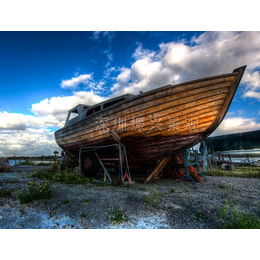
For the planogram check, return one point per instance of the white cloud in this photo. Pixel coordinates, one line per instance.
(233, 125)
(211, 53)
(74, 82)
(109, 56)
(253, 79)
(29, 135)
(252, 94)
(59, 106)
(108, 72)
(122, 79)
(230, 114)
(16, 121)
(27, 143)
(98, 35)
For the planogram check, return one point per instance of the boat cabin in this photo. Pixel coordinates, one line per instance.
(81, 111)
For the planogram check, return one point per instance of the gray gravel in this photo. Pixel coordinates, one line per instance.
(180, 204)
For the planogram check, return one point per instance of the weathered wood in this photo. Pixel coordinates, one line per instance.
(99, 134)
(117, 138)
(167, 108)
(157, 169)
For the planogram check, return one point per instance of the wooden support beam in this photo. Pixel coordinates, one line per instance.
(158, 169)
(117, 138)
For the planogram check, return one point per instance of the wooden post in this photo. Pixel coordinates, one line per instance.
(117, 138)
(158, 169)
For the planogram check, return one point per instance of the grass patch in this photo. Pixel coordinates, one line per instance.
(222, 186)
(66, 177)
(239, 171)
(43, 174)
(234, 219)
(173, 190)
(153, 198)
(5, 193)
(144, 188)
(26, 162)
(86, 201)
(83, 215)
(117, 216)
(98, 183)
(64, 202)
(199, 215)
(22, 212)
(34, 191)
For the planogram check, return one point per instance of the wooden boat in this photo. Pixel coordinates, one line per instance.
(152, 125)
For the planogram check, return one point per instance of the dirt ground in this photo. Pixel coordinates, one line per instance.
(163, 204)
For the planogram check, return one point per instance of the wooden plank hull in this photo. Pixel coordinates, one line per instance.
(159, 123)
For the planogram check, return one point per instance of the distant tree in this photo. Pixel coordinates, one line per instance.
(55, 152)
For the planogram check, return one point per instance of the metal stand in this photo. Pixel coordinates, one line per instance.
(121, 149)
(189, 172)
(187, 176)
(205, 157)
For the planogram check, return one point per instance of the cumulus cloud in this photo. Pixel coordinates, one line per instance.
(27, 135)
(232, 125)
(74, 82)
(31, 142)
(31, 135)
(16, 121)
(59, 106)
(252, 94)
(209, 54)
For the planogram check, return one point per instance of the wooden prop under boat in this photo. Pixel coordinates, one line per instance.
(156, 124)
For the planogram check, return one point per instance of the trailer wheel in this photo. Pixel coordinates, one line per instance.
(89, 164)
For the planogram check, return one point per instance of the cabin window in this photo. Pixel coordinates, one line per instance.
(73, 114)
(93, 110)
(108, 104)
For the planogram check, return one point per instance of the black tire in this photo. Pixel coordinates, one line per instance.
(89, 164)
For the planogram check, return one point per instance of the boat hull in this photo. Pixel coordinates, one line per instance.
(159, 123)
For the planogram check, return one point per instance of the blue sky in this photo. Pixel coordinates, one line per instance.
(33, 64)
(44, 74)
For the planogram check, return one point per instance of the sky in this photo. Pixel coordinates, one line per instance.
(46, 73)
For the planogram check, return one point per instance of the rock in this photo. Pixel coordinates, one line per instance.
(4, 165)
(227, 166)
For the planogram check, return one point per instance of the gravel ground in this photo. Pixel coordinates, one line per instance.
(164, 204)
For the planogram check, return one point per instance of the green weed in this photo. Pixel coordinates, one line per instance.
(153, 198)
(117, 216)
(26, 162)
(34, 191)
(83, 215)
(239, 171)
(22, 212)
(144, 188)
(99, 183)
(86, 201)
(234, 219)
(64, 202)
(198, 214)
(61, 176)
(43, 174)
(222, 186)
(5, 193)
(173, 190)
